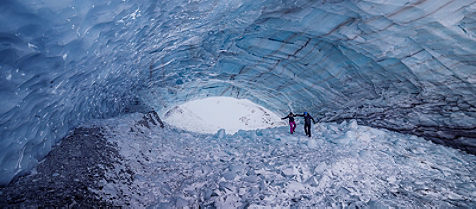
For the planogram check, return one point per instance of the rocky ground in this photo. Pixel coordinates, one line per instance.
(72, 175)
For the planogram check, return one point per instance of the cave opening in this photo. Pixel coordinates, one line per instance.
(210, 114)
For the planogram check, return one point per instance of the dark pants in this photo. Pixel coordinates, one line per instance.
(307, 129)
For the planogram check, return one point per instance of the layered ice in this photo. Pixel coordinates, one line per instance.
(342, 165)
(407, 66)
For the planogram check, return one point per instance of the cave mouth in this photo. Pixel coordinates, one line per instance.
(408, 66)
(210, 114)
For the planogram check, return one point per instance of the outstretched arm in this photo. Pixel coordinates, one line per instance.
(317, 121)
(284, 117)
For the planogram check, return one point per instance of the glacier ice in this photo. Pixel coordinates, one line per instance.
(407, 66)
(342, 165)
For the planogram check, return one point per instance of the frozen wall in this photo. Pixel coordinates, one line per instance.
(403, 65)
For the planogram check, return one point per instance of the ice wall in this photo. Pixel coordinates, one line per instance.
(402, 65)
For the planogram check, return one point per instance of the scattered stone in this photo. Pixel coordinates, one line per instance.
(70, 175)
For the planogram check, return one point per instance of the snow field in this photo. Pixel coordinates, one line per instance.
(210, 114)
(342, 165)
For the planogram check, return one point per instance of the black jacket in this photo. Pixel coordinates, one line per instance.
(290, 116)
(307, 118)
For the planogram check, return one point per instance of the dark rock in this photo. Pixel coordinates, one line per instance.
(77, 164)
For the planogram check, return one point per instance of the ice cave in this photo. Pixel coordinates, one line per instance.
(89, 92)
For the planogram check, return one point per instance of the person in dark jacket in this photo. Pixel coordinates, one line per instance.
(307, 123)
(292, 124)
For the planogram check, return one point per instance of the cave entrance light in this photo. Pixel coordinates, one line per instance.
(211, 114)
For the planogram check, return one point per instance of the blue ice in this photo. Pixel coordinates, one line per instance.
(407, 66)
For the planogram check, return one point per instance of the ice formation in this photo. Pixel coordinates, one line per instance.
(405, 65)
(214, 113)
(342, 166)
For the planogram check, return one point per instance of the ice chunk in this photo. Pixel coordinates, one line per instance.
(220, 134)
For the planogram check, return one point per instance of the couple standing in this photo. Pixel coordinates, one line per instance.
(307, 122)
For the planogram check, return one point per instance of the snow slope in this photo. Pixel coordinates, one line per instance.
(341, 165)
(210, 114)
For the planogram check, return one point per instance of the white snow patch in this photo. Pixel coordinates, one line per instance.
(214, 113)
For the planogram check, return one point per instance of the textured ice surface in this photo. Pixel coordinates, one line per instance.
(213, 113)
(342, 165)
(404, 65)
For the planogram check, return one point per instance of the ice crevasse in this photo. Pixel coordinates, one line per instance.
(407, 65)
